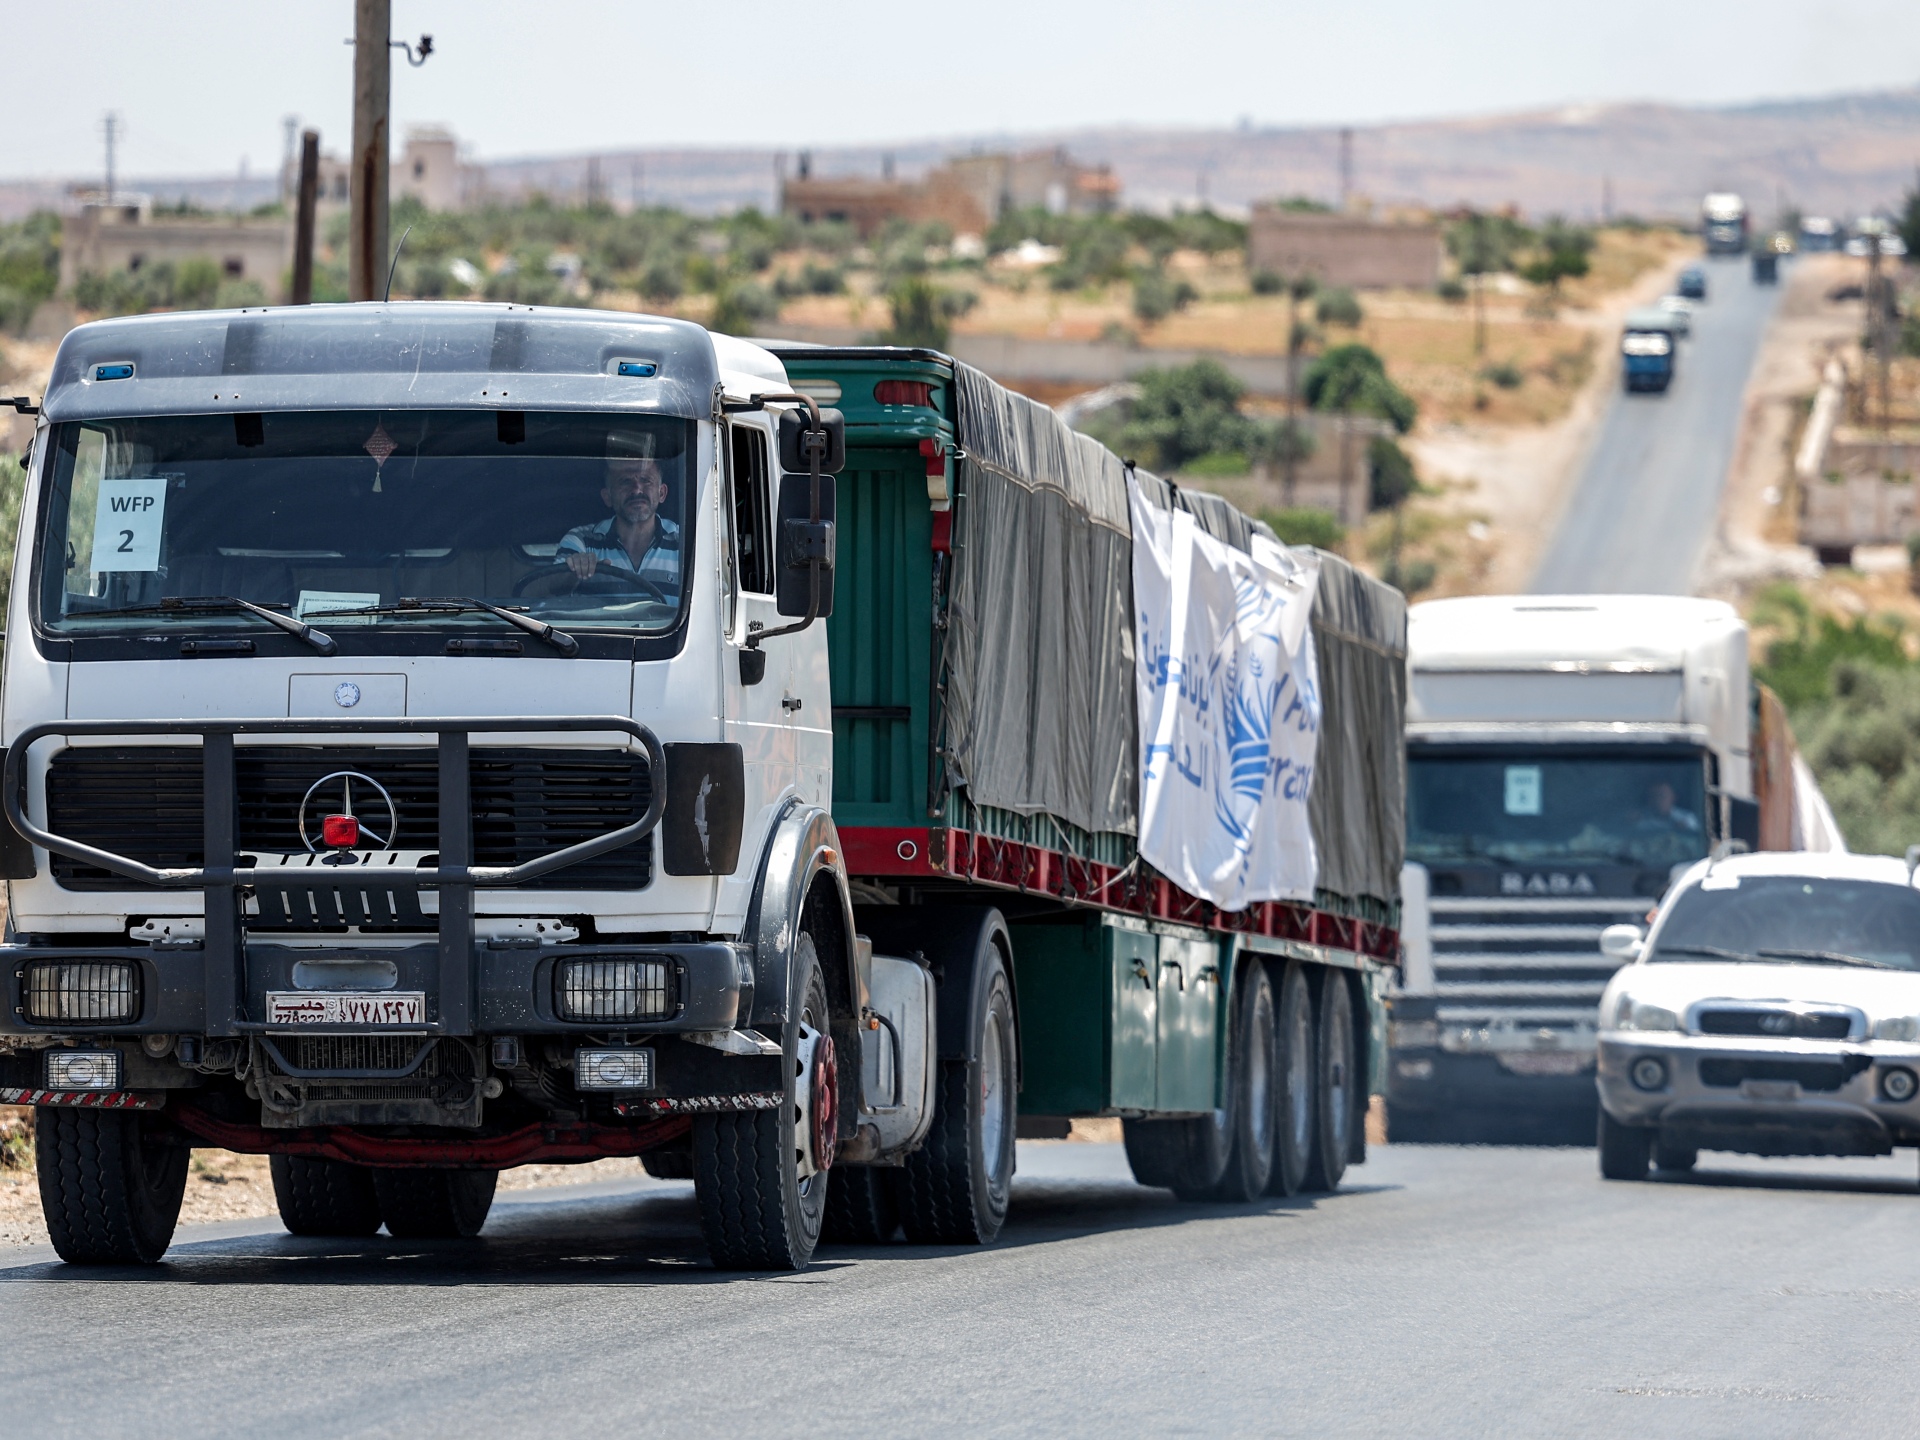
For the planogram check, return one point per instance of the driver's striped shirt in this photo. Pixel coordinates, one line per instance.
(661, 563)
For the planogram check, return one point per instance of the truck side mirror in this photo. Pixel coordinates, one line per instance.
(805, 544)
(795, 432)
(1622, 942)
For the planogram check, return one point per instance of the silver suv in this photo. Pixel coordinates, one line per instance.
(1774, 1009)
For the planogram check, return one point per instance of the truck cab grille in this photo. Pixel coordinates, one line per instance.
(1529, 964)
(144, 802)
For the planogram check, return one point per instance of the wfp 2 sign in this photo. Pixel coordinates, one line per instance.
(127, 524)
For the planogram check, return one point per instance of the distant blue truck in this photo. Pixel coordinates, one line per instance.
(1648, 349)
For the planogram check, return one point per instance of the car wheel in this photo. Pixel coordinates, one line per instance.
(1624, 1149)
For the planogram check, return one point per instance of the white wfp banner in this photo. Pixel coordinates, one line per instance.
(1229, 702)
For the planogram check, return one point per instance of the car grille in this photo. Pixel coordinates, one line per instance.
(1777, 1024)
(144, 802)
(1818, 1075)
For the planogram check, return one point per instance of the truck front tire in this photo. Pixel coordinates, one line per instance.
(324, 1197)
(756, 1210)
(956, 1188)
(433, 1203)
(111, 1183)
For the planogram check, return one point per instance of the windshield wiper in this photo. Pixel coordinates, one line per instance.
(300, 630)
(558, 639)
(1713, 950)
(1830, 957)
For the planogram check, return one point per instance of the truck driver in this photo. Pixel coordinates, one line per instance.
(636, 537)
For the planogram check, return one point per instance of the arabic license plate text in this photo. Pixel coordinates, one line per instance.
(346, 1007)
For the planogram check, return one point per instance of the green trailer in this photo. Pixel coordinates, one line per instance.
(1239, 1048)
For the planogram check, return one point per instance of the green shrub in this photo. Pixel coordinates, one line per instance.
(1268, 282)
(1352, 380)
(1156, 296)
(1390, 477)
(1338, 307)
(1505, 374)
(1305, 526)
(1451, 291)
(1184, 413)
(740, 307)
(1216, 463)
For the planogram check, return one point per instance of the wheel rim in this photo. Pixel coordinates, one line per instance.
(993, 1099)
(1300, 1081)
(1260, 1073)
(814, 1102)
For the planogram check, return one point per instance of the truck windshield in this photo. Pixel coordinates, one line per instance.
(328, 517)
(1535, 807)
(1793, 920)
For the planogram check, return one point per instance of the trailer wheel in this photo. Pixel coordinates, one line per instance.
(324, 1197)
(111, 1183)
(1296, 1106)
(1250, 1084)
(956, 1188)
(861, 1208)
(1333, 1134)
(758, 1175)
(1624, 1149)
(434, 1203)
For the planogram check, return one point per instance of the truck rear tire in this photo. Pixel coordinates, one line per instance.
(861, 1207)
(1333, 1132)
(956, 1188)
(434, 1203)
(1296, 1105)
(111, 1183)
(324, 1197)
(1250, 1087)
(1624, 1149)
(756, 1210)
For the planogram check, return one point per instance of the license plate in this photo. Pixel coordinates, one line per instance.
(1770, 1089)
(346, 1007)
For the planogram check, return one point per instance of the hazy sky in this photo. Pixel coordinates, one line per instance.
(204, 84)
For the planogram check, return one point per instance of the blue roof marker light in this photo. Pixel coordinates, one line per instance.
(638, 369)
(121, 371)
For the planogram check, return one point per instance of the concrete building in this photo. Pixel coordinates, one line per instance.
(1351, 251)
(430, 170)
(125, 236)
(967, 194)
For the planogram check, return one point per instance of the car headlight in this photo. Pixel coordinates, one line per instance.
(1632, 1014)
(1897, 1027)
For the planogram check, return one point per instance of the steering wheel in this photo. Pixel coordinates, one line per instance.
(606, 580)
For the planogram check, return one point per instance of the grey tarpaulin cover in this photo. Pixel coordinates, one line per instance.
(1040, 700)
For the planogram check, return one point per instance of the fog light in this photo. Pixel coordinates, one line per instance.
(65, 992)
(613, 990)
(1648, 1073)
(1898, 1084)
(83, 1069)
(1414, 1069)
(613, 1069)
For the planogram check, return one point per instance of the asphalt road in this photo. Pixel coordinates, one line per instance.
(1444, 1291)
(1649, 492)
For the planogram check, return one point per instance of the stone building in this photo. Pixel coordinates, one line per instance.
(966, 194)
(1350, 251)
(104, 239)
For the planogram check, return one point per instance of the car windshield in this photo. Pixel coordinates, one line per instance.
(329, 516)
(1793, 919)
(1535, 807)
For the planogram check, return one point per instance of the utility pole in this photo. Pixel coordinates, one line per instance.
(1346, 168)
(309, 200)
(372, 89)
(110, 126)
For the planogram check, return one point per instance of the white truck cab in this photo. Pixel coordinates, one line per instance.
(418, 718)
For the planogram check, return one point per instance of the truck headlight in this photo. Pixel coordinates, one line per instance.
(1631, 1014)
(1904, 1028)
(614, 990)
(83, 1069)
(67, 992)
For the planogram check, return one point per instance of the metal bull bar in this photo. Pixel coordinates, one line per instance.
(221, 876)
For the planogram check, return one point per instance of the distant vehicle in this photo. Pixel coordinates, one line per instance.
(1681, 309)
(1647, 349)
(1693, 283)
(1723, 223)
(1860, 246)
(1773, 1010)
(1893, 245)
(1766, 267)
(1567, 756)
(1818, 233)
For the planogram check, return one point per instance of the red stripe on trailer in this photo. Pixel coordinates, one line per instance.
(81, 1099)
(894, 852)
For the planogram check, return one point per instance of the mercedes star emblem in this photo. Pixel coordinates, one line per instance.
(340, 783)
(346, 694)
